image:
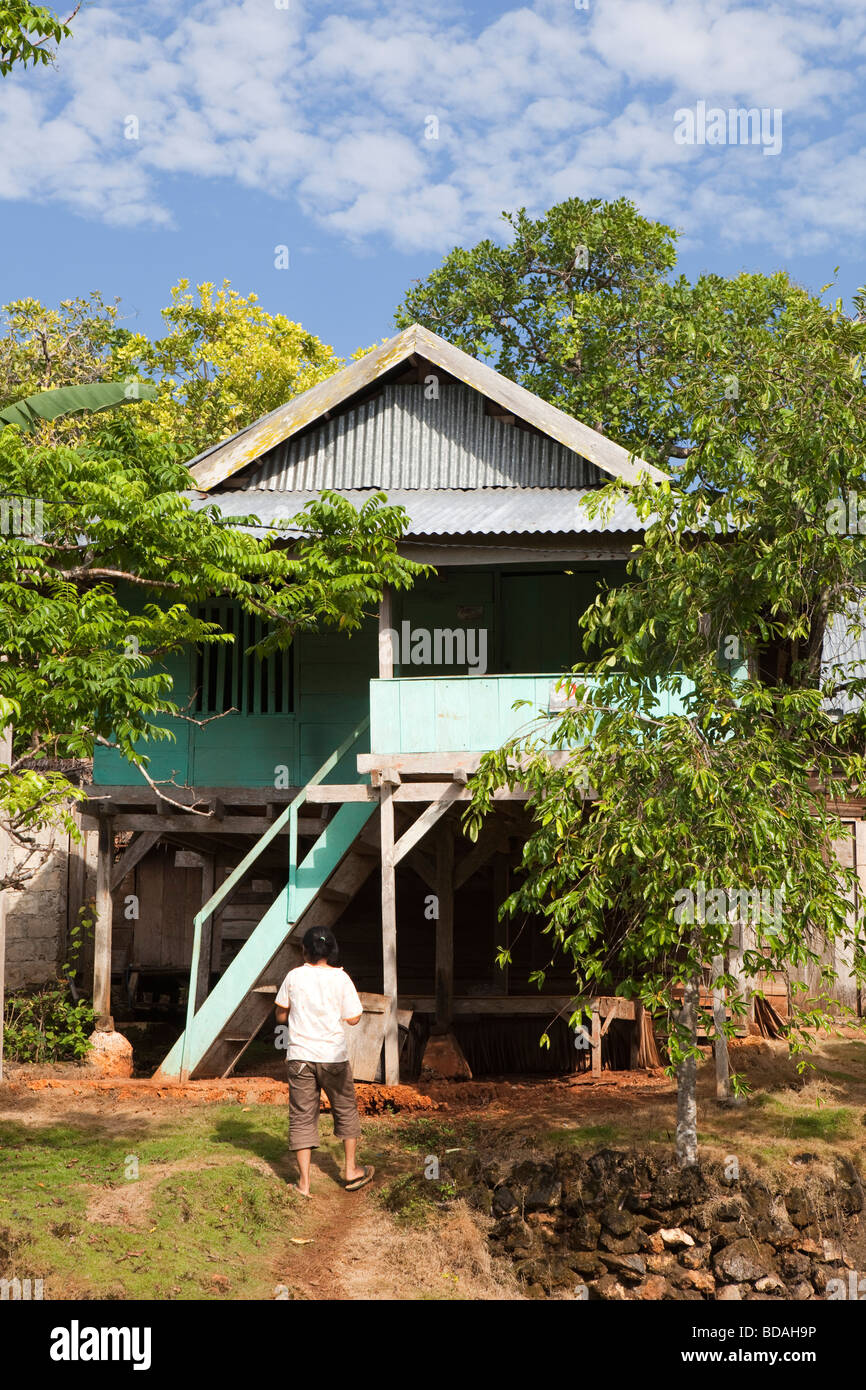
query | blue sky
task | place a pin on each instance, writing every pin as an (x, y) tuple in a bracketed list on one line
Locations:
[(263, 123)]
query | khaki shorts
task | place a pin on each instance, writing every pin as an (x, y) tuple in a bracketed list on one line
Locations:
[(307, 1080)]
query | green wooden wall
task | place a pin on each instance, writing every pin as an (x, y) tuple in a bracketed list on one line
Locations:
[(528, 613)]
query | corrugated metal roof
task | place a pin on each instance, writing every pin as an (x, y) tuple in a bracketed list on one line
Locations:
[(454, 512), (337, 393), (402, 439), (845, 649)]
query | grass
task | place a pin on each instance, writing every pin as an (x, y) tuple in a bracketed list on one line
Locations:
[(585, 1134), (199, 1221)]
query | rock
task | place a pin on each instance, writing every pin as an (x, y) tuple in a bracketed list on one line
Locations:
[(585, 1263), (699, 1279), (802, 1292), (726, 1232), (443, 1059), (729, 1293), (799, 1207), (629, 1245), (629, 1268), (520, 1238), (771, 1283), (743, 1262), (584, 1233), (675, 1237), (661, 1264), (696, 1257), (504, 1201), (617, 1221), (822, 1274), (480, 1198), (609, 1289), (782, 1235), (809, 1247), (794, 1265), (832, 1252), (110, 1054), (654, 1288), (545, 1194), (560, 1275)]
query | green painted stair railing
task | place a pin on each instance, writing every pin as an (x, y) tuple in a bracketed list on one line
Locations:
[(204, 1026)]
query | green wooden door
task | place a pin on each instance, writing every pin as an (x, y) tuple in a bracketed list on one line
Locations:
[(540, 615)]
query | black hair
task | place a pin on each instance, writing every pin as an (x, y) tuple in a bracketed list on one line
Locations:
[(319, 943)]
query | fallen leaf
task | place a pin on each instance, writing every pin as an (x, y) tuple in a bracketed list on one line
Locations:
[(298, 1240)]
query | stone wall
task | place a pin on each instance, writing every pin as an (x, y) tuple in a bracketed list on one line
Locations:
[(37, 916), (617, 1225)]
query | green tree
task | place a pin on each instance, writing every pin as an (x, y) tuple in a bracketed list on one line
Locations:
[(101, 573), (750, 392), (224, 363), (27, 31)]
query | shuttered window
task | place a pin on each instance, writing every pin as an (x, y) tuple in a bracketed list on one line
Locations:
[(228, 676)]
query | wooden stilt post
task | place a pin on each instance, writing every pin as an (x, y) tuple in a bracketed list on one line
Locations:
[(445, 929), (389, 933), (720, 1042), (102, 930), (595, 1039), (208, 881)]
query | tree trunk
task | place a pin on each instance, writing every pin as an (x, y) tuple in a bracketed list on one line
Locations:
[(720, 1045), (687, 1077)]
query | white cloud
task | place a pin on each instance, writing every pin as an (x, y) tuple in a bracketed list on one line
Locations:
[(543, 103)]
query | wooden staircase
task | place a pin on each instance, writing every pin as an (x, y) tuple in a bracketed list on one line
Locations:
[(325, 910), (318, 891)]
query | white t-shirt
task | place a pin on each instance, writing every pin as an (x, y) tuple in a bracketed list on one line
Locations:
[(318, 998)]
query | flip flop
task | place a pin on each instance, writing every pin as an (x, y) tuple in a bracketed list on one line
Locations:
[(356, 1183), (293, 1187)]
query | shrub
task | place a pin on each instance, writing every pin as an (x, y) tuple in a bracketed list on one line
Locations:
[(46, 1025)]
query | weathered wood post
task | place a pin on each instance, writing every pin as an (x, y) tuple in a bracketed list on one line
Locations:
[(389, 932), (102, 929), (445, 928), (208, 883)]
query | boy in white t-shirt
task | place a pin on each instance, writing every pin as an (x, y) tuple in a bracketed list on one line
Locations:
[(316, 999)]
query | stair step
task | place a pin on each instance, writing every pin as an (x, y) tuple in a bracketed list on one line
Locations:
[(265, 989), (365, 850), (334, 895)]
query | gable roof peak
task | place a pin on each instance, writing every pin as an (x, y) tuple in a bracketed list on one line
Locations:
[(225, 459)]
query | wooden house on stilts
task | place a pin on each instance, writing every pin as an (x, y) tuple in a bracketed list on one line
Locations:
[(334, 790)]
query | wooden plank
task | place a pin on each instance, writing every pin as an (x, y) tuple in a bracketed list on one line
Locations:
[(596, 1041), (433, 764), (432, 791), (486, 555), (502, 1006), (445, 928), (389, 936), (208, 883), (425, 822), (139, 795), (178, 823), (141, 845), (102, 929), (364, 1040)]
